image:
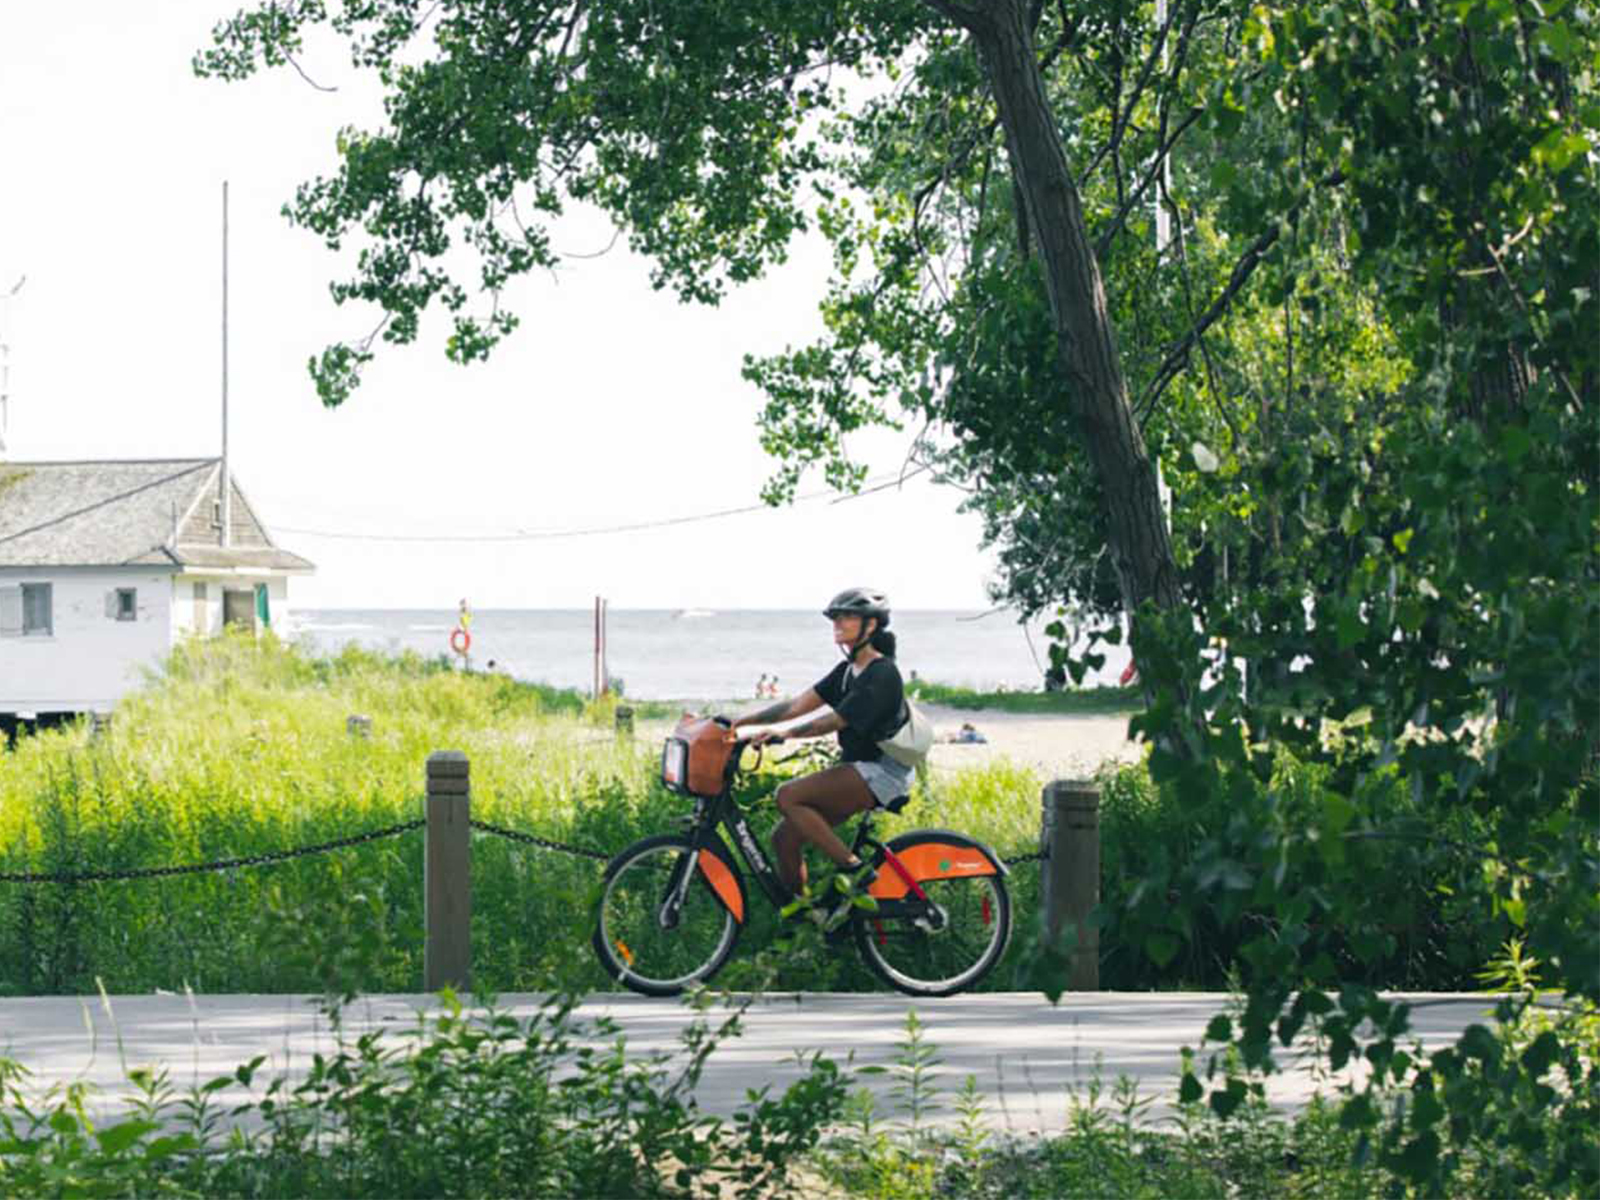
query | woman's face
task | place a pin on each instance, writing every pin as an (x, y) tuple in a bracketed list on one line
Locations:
[(847, 629)]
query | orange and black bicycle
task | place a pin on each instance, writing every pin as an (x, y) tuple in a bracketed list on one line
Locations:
[(672, 906)]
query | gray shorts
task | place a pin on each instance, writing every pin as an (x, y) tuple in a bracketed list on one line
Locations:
[(886, 779)]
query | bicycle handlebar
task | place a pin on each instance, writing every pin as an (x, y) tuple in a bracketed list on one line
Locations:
[(740, 745)]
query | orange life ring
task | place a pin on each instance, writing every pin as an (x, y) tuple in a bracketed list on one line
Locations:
[(460, 640)]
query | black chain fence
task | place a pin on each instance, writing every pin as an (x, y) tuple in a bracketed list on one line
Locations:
[(224, 864), (543, 843), (372, 835)]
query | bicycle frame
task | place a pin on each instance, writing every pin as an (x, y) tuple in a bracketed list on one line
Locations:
[(722, 812)]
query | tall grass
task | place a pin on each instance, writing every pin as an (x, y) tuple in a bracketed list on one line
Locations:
[(239, 748)]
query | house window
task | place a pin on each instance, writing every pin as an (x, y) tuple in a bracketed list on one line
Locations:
[(36, 616), (127, 604)]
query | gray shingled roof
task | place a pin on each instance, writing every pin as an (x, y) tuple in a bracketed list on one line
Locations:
[(155, 512)]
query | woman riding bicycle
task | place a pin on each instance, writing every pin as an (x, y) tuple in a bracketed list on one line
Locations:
[(865, 699)]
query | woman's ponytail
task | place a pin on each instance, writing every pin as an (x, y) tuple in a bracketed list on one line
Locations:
[(883, 642)]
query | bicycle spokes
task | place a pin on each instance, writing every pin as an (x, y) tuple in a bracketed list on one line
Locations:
[(661, 926)]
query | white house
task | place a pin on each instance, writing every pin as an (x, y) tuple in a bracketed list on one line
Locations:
[(105, 566)]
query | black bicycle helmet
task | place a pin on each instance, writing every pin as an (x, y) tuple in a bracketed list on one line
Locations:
[(859, 602)]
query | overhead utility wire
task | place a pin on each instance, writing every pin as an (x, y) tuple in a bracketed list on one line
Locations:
[(552, 534)]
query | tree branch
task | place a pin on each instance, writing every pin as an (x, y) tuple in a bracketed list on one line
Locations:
[(1103, 242), (1178, 358), (967, 18), (1120, 124)]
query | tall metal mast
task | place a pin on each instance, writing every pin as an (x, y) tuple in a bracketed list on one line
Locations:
[(224, 483), (5, 363)]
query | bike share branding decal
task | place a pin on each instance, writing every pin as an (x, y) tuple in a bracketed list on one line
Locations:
[(930, 860), (750, 848)]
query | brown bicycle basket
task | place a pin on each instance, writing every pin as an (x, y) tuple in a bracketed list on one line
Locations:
[(695, 756)]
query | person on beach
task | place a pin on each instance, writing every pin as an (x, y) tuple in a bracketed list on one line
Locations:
[(761, 687), (864, 702)]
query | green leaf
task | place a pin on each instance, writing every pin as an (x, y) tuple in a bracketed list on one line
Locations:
[(1189, 1089), (1478, 1041), (165, 1147), (1542, 1053), (1358, 1112), (1225, 1102), (1337, 813), (1161, 947), (118, 1138), (1515, 443), (1348, 627), (1419, 1158), (1558, 148)]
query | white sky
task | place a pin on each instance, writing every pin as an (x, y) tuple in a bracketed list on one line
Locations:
[(611, 403)]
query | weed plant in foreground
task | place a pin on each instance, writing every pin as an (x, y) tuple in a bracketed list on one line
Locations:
[(462, 1105), (480, 1104), (1111, 1147)]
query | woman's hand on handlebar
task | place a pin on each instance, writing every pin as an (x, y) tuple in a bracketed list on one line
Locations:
[(760, 735)]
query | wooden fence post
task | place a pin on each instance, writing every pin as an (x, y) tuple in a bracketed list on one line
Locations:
[(447, 875), (1071, 875)]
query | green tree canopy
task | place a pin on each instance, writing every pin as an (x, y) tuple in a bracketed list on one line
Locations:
[(1333, 268)]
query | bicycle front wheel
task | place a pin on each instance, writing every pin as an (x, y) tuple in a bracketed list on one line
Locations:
[(639, 944), (947, 942)]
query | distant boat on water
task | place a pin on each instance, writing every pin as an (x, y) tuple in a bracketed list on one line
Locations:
[(692, 614)]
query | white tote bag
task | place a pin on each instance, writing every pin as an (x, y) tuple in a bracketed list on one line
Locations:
[(912, 741)]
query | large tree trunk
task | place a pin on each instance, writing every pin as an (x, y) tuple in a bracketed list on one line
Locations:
[(1140, 545)]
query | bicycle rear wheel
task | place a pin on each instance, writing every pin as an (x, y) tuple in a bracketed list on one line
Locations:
[(634, 945), (949, 942)]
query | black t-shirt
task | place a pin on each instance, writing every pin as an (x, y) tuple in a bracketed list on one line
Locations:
[(871, 704)]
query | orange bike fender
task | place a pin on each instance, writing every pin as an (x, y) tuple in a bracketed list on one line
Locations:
[(930, 860), (722, 883)]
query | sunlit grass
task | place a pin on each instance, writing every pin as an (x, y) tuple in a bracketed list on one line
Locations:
[(240, 748)]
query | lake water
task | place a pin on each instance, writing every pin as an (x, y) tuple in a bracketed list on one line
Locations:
[(699, 655)]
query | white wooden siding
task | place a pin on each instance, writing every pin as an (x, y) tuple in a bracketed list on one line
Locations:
[(90, 658)]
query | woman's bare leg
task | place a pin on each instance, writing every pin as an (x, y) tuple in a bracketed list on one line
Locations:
[(811, 807)]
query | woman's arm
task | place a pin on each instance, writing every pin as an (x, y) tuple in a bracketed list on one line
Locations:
[(828, 722), (783, 710)]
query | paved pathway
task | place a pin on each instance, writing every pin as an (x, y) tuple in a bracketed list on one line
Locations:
[(1025, 1054)]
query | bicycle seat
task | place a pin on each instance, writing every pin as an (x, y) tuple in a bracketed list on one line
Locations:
[(897, 804)]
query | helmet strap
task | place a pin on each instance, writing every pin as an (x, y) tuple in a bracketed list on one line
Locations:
[(861, 642)]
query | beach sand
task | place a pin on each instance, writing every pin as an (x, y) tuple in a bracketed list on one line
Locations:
[(1058, 745)]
